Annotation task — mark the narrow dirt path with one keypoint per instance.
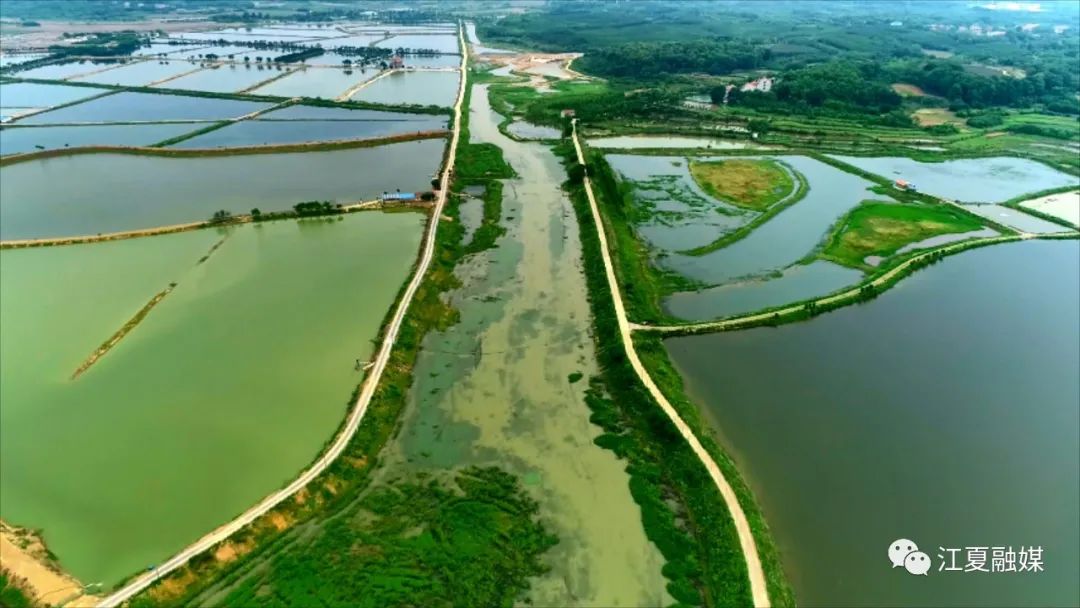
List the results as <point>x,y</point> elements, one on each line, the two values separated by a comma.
<point>758,587</point>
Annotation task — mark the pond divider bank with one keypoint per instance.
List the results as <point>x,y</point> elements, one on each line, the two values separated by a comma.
<point>1017,203</point>
<point>124,330</point>
<point>317,146</point>
<point>372,205</point>
<point>399,322</point>
<point>758,581</point>
<point>866,290</point>
<point>138,317</point>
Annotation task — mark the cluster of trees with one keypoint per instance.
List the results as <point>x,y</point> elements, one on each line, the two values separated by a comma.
<point>312,208</point>
<point>840,86</point>
<point>110,44</point>
<point>652,59</point>
<point>949,79</point>
<point>295,56</point>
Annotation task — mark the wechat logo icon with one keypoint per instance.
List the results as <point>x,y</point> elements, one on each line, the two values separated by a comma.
<point>905,553</point>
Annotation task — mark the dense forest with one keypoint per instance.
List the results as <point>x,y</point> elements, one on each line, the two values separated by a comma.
<point>827,56</point>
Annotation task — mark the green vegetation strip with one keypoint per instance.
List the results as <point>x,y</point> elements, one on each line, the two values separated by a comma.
<point>749,183</point>
<point>877,228</point>
<point>682,509</point>
<point>123,331</point>
<point>318,146</point>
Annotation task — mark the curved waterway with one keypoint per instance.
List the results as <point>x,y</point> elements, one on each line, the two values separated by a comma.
<point>493,389</point>
<point>947,412</point>
<point>221,395</point>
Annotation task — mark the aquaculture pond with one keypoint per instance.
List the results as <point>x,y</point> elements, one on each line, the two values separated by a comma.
<point>302,112</point>
<point>141,73</point>
<point>443,43</point>
<point>1016,219</point>
<point>222,79</point>
<point>946,412</point>
<point>66,196</point>
<point>32,95</point>
<point>328,83</point>
<point>60,71</point>
<point>413,88</point>
<point>432,61</point>
<point>9,59</point>
<point>493,389</point>
<point>651,141</point>
<point>135,107</point>
<point>969,180</point>
<point>671,211</point>
<point>264,132</point>
<point>799,282</point>
<point>28,139</point>
<point>788,236</point>
<point>145,437</point>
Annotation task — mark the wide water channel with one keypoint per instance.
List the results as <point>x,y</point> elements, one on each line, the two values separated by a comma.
<point>493,389</point>
<point>946,412</point>
<point>224,392</point>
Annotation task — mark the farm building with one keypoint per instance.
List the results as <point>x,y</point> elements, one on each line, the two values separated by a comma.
<point>763,84</point>
<point>398,196</point>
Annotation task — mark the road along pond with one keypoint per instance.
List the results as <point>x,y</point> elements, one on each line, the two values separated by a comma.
<point>269,318</point>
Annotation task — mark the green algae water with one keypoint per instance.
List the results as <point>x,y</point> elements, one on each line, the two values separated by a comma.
<point>225,391</point>
<point>494,390</point>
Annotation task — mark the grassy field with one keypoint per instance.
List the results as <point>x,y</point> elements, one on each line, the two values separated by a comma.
<point>876,228</point>
<point>929,117</point>
<point>752,184</point>
<point>423,542</point>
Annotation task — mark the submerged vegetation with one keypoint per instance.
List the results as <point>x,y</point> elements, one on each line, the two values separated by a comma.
<point>754,184</point>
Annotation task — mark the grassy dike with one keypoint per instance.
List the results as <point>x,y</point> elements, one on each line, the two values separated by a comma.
<point>682,510</point>
<point>307,101</point>
<point>341,486</point>
<point>156,150</point>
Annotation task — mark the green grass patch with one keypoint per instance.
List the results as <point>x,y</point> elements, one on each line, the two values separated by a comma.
<point>876,228</point>
<point>13,592</point>
<point>743,231</point>
<point>416,542</point>
<point>751,184</point>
